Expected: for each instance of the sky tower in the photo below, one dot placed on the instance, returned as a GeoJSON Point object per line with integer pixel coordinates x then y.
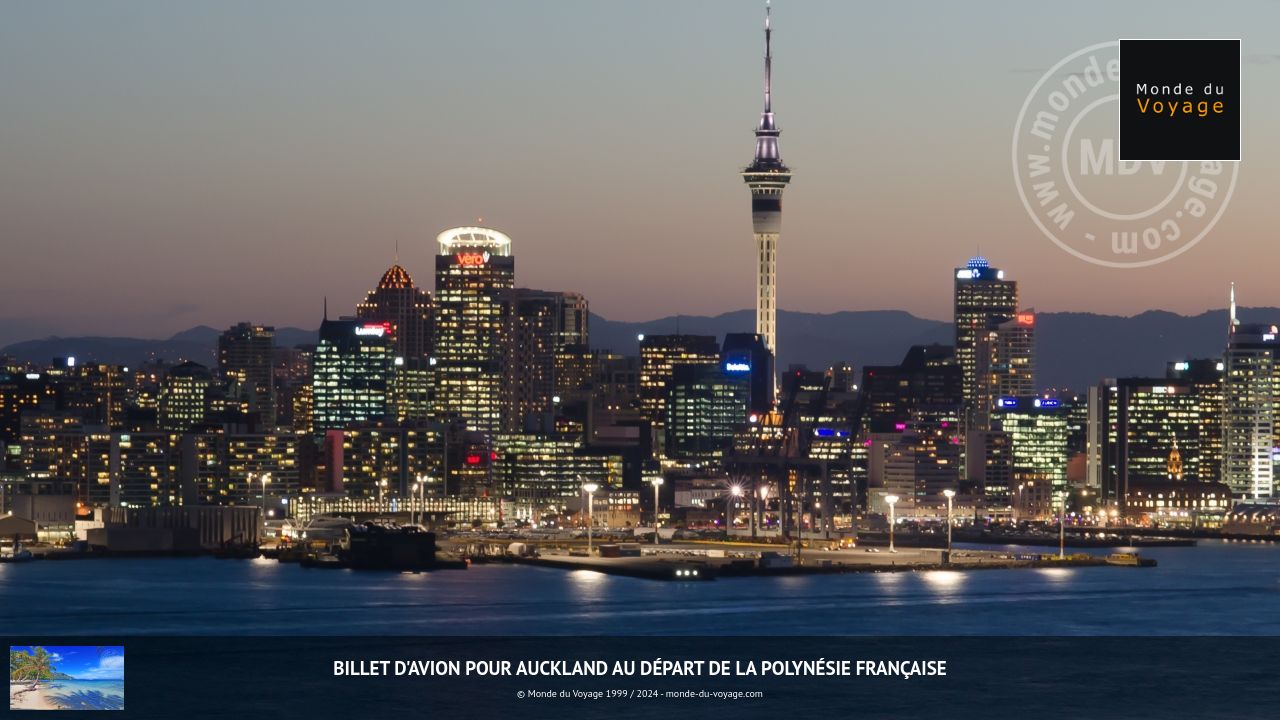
{"type": "Point", "coordinates": [767, 177]}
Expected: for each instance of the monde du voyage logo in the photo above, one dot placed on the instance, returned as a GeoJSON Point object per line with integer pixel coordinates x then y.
{"type": "Point", "coordinates": [1124, 152]}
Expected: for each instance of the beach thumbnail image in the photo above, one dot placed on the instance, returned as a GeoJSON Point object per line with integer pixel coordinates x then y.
{"type": "Point", "coordinates": [66, 677]}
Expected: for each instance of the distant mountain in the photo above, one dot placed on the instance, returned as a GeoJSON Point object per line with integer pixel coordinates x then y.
{"type": "Point", "coordinates": [873, 337]}
{"type": "Point", "coordinates": [198, 343]}
{"type": "Point", "coordinates": [1074, 350]}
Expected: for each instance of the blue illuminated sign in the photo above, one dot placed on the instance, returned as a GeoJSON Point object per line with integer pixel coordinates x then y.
{"type": "Point", "coordinates": [737, 367]}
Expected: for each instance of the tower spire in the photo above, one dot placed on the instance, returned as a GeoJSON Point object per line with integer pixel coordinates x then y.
{"type": "Point", "coordinates": [768, 59]}
{"type": "Point", "coordinates": [767, 154]}
{"type": "Point", "coordinates": [1234, 321]}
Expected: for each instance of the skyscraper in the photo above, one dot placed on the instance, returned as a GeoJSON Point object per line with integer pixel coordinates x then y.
{"type": "Point", "coordinates": [351, 373]}
{"type": "Point", "coordinates": [1005, 365]}
{"type": "Point", "coordinates": [1134, 423]}
{"type": "Point", "coordinates": [408, 308]}
{"type": "Point", "coordinates": [706, 404]}
{"type": "Point", "coordinates": [767, 177]}
{"type": "Point", "coordinates": [1037, 433]}
{"type": "Point", "coordinates": [745, 355]}
{"type": "Point", "coordinates": [543, 323]}
{"type": "Point", "coordinates": [246, 356]}
{"type": "Point", "coordinates": [1250, 387]}
{"type": "Point", "coordinates": [475, 274]}
{"type": "Point", "coordinates": [982, 294]}
{"type": "Point", "coordinates": [659, 356]}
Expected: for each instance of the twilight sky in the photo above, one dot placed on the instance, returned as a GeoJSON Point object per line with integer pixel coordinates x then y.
{"type": "Point", "coordinates": [167, 164]}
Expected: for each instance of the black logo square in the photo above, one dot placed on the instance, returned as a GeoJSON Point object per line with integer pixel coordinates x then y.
{"type": "Point", "coordinates": [1179, 99]}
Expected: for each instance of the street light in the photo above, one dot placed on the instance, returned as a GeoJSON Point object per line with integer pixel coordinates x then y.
{"type": "Point", "coordinates": [657, 483]}
{"type": "Point", "coordinates": [591, 489]}
{"type": "Point", "coordinates": [420, 488]}
{"type": "Point", "coordinates": [950, 494]}
{"type": "Point", "coordinates": [735, 492]}
{"type": "Point", "coordinates": [1062, 529]}
{"type": "Point", "coordinates": [892, 500]}
{"type": "Point", "coordinates": [764, 505]}
{"type": "Point", "coordinates": [264, 477]}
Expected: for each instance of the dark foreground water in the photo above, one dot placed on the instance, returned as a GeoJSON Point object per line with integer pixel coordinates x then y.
{"type": "Point", "coordinates": [1213, 589]}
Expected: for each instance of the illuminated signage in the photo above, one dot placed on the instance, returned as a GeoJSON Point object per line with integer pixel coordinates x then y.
{"type": "Point", "coordinates": [1008, 402]}
{"type": "Point", "coordinates": [737, 367]}
{"type": "Point", "coordinates": [472, 259]}
{"type": "Point", "coordinates": [1026, 319]}
{"type": "Point", "coordinates": [374, 329]}
{"type": "Point", "coordinates": [1047, 402]}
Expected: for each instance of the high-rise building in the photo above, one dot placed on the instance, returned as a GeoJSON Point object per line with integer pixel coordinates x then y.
{"type": "Point", "coordinates": [927, 383]}
{"type": "Point", "coordinates": [545, 473]}
{"type": "Point", "coordinates": [917, 464]}
{"type": "Point", "coordinates": [95, 391]}
{"type": "Point", "coordinates": [543, 324]}
{"type": "Point", "coordinates": [21, 392]}
{"type": "Point", "coordinates": [706, 404]}
{"type": "Point", "coordinates": [1037, 432]}
{"type": "Point", "coordinates": [146, 470]}
{"type": "Point", "coordinates": [351, 373]}
{"type": "Point", "coordinates": [1134, 423]}
{"type": "Point", "coordinates": [982, 294]}
{"type": "Point", "coordinates": [1005, 363]}
{"type": "Point", "coordinates": [246, 362]}
{"type": "Point", "coordinates": [398, 301]}
{"type": "Point", "coordinates": [767, 177]}
{"type": "Point", "coordinates": [745, 355]}
{"type": "Point", "coordinates": [1206, 378]}
{"type": "Point", "coordinates": [386, 459]}
{"type": "Point", "coordinates": [184, 397]}
{"type": "Point", "coordinates": [1251, 385]}
{"type": "Point", "coordinates": [475, 274]}
{"type": "Point", "coordinates": [413, 389]}
{"type": "Point", "coordinates": [659, 356]}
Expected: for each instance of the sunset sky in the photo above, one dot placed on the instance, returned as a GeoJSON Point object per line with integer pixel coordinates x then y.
{"type": "Point", "coordinates": [164, 165]}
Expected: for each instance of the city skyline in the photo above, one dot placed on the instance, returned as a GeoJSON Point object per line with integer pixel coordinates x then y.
{"type": "Point", "coordinates": [245, 178]}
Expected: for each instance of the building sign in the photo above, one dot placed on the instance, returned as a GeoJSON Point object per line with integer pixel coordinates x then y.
{"type": "Point", "coordinates": [1026, 319]}
{"type": "Point", "coordinates": [472, 259]}
{"type": "Point", "coordinates": [374, 329]}
{"type": "Point", "coordinates": [737, 367]}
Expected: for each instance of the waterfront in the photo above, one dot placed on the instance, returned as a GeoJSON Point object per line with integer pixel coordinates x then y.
{"type": "Point", "coordinates": [1216, 588]}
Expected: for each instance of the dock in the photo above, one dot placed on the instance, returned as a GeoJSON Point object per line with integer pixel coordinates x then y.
{"type": "Point", "coordinates": [697, 562]}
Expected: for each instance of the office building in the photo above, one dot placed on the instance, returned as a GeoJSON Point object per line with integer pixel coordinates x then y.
{"type": "Point", "coordinates": [351, 373]}
{"type": "Point", "coordinates": [1037, 432]}
{"type": "Point", "coordinates": [475, 274]}
{"type": "Point", "coordinates": [396, 300]}
{"type": "Point", "coordinates": [246, 363]}
{"type": "Point", "coordinates": [982, 294]}
{"type": "Point", "coordinates": [705, 406]}
{"type": "Point", "coordinates": [1251, 385]}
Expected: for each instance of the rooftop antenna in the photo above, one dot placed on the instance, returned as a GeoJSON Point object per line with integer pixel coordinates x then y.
{"type": "Point", "coordinates": [326, 307]}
